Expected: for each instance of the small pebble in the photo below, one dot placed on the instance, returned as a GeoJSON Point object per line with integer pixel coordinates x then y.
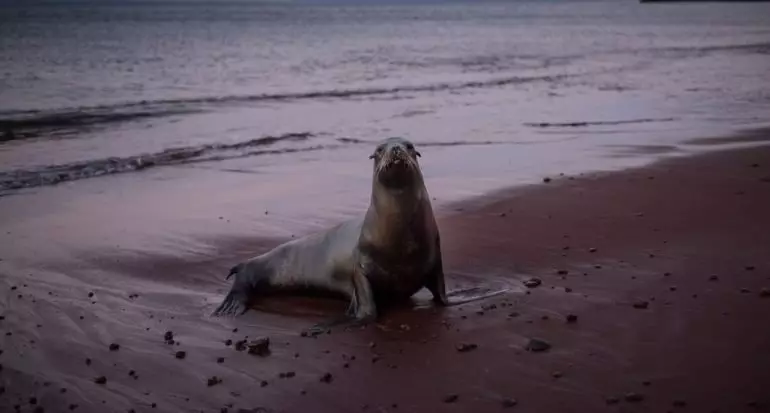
{"type": "Point", "coordinates": [260, 346]}
{"type": "Point", "coordinates": [213, 380]}
{"type": "Point", "coordinates": [546, 180]}
{"type": "Point", "coordinates": [765, 292]}
{"type": "Point", "coordinates": [572, 318]}
{"type": "Point", "coordinates": [466, 347]}
{"type": "Point", "coordinates": [114, 347]}
{"type": "Point", "coordinates": [641, 305]}
{"type": "Point", "coordinates": [532, 282]}
{"type": "Point", "coordinates": [180, 355]}
{"type": "Point", "coordinates": [508, 403]}
{"type": "Point", "coordinates": [679, 403]}
{"type": "Point", "coordinates": [612, 400]}
{"type": "Point", "coordinates": [326, 378]}
{"type": "Point", "coordinates": [451, 398]}
{"type": "Point", "coordinates": [168, 336]}
{"type": "Point", "coordinates": [537, 345]}
{"type": "Point", "coordinates": [100, 380]}
{"type": "Point", "coordinates": [263, 384]}
{"type": "Point", "coordinates": [633, 397]}
{"type": "Point", "coordinates": [220, 360]}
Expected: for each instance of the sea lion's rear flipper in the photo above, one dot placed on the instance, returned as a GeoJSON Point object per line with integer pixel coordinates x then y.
{"type": "Point", "coordinates": [248, 277]}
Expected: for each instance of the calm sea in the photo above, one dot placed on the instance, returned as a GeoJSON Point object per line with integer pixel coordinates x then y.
{"type": "Point", "coordinates": [95, 88]}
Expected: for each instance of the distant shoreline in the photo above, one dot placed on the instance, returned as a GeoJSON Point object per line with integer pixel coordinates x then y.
{"type": "Point", "coordinates": [704, 1]}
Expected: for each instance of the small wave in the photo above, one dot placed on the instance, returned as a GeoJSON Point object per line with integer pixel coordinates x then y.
{"type": "Point", "coordinates": [52, 175]}
{"type": "Point", "coordinates": [34, 123]}
{"type": "Point", "coordinates": [25, 125]}
{"type": "Point", "coordinates": [595, 123]}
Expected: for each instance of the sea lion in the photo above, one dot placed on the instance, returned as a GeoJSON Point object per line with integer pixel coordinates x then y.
{"type": "Point", "coordinates": [386, 255]}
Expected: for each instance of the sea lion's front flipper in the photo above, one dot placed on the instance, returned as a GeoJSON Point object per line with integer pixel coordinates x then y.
{"type": "Point", "coordinates": [434, 281]}
{"type": "Point", "coordinates": [361, 312]}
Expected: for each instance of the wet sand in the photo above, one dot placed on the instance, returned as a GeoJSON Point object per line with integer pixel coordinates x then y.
{"type": "Point", "coordinates": [666, 269]}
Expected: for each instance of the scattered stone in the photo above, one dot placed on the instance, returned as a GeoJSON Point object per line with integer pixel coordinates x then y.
{"type": "Point", "coordinates": [508, 403]}
{"type": "Point", "coordinates": [514, 314]}
{"type": "Point", "coordinates": [213, 381]}
{"type": "Point", "coordinates": [679, 403]}
{"type": "Point", "coordinates": [562, 272]}
{"type": "Point", "coordinates": [180, 355]}
{"type": "Point", "coordinates": [466, 347]}
{"type": "Point", "coordinates": [632, 397]}
{"type": "Point", "coordinates": [287, 375]}
{"type": "Point", "coordinates": [567, 289]}
{"type": "Point", "coordinates": [592, 250]}
{"type": "Point", "coordinates": [745, 290]}
{"type": "Point", "coordinates": [666, 274]}
{"type": "Point", "coordinates": [73, 406]}
{"type": "Point", "coordinates": [612, 400]}
{"type": "Point", "coordinates": [263, 384]}
{"type": "Point", "coordinates": [240, 345]}
{"type": "Point", "coordinates": [536, 345]}
{"type": "Point", "coordinates": [228, 342]}
{"type": "Point", "coordinates": [557, 374]}
{"type": "Point", "coordinates": [90, 295]}
{"type": "Point", "coordinates": [641, 305]}
{"type": "Point", "coordinates": [326, 378]}
{"type": "Point", "coordinates": [88, 362]}
{"type": "Point", "coordinates": [572, 318]}
{"type": "Point", "coordinates": [168, 336]}
{"type": "Point", "coordinates": [451, 398]}
{"type": "Point", "coordinates": [765, 292]}
{"type": "Point", "coordinates": [546, 179]}
{"type": "Point", "coordinates": [131, 373]}
{"type": "Point", "coordinates": [114, 347]}
{"type": "Point", "coordinates": [532, 282]}
{"type": "Point", "coordinates": [713, 278]}
{"type": "Point", "coordinates": [220, 360]}
{"type": "Point", "coordinates": [100, 380]}
{"type": "Point", "coordinates": [750, 268]}
{"type": "Point", "coordinates": [260, 346]}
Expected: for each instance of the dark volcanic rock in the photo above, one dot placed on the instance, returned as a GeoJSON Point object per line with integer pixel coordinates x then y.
{"type": "Point", "coordinates": [213, 381]}
{"type": "Point", "coordinates": [572, 318]}
{"type": "Point", "coordinates": [114, 347]}
{"type": "Point", "coordinates": [180, 354]}
{"type": "Point", "coordinates": [465, 347]}
{"type": "Point", "coordinates": [508, 403]}
{"type": "Point", "coordinates": [451, 398]}
{"type": "Point", "coordinates": [632, 397]}
{"type": "Point", "coordinates": [641, 304]}
{"type": "Point", "coordinates": [260, 347]}
{"type": "Point", "coordinates": [536, 345]}
{"type": "Point", "coordinates": [326, 378]}
{"type": "Point", "coordinates": [532, 282]}
{"type": "Point", "coordinates": [100, 380]}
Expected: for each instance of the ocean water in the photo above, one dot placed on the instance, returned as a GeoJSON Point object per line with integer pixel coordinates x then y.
{"type": "Point", "coordinates": [496, 93]}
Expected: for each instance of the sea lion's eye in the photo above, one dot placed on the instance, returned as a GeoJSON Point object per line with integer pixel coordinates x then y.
{"type": "Point", "coordinates": [410, 148]}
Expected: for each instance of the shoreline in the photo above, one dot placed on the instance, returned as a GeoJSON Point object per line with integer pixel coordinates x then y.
{"type": "Point", "coordinates": [600, 243]}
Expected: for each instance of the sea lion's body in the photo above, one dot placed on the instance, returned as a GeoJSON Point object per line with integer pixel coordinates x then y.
{"type": "Point", "coordinates": [389, 254]}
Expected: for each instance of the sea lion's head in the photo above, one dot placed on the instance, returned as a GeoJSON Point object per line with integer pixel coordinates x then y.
{"type": "Point", "coordinates": [395, 163]}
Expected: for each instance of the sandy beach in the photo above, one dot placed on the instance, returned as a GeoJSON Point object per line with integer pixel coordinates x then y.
{"type": "Point", "coordinates": [654, 297]}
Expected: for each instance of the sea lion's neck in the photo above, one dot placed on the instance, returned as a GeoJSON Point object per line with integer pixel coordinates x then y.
{"type": "Point", "coordinates": [397, 201]}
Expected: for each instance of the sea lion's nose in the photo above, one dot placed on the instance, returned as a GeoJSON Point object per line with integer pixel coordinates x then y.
{"type": "Point", "coordinates": [397, 150]}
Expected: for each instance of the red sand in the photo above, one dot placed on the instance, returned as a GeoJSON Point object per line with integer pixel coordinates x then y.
{"type": "Point", "coordinates": [660, 235]}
